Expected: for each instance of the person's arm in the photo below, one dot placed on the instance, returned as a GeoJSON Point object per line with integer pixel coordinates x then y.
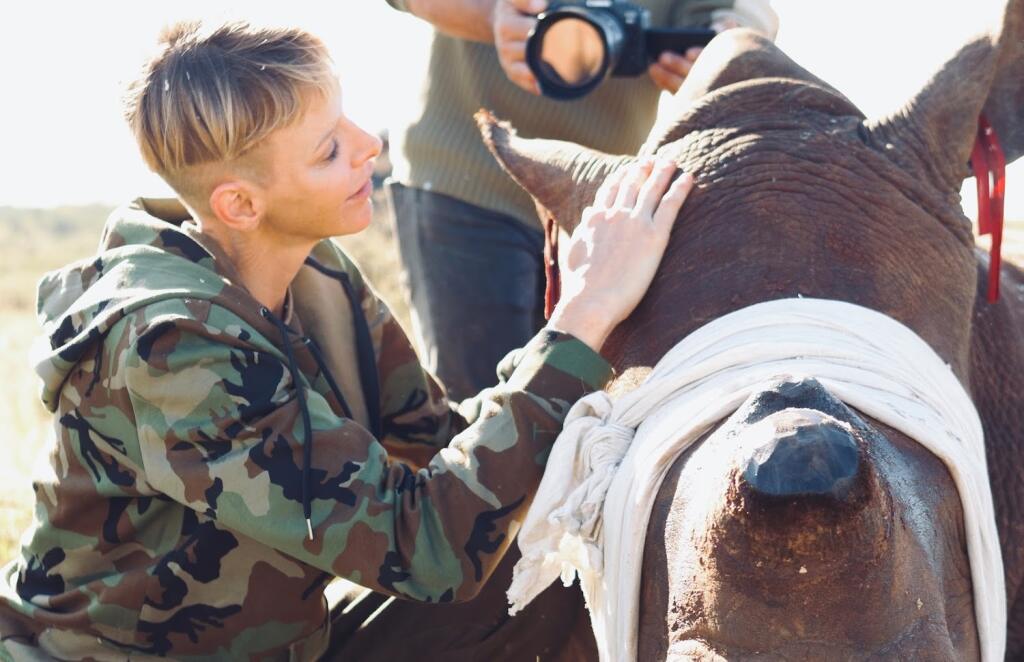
{"type": "Point", "coordinates": [465, 19]}
{"type": "Point", "coordinates": [417, 418]}
{"type": "Point", "coordinates": [221, 424]}
{"type": "Point", "coordinates": [504, 23]}
{"type": "Point", "coordinates": [216, 439]}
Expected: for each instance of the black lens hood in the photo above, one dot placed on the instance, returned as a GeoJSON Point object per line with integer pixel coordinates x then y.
{"type": "Point", "coordinates": [550, 83]}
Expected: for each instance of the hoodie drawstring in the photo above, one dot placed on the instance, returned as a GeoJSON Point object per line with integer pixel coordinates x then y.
{"type": "Point", "coordinates": [307, 425]}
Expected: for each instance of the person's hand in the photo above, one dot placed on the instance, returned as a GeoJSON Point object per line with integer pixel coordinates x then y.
{"type": "Point", "coordinates": [670, 69]}
{"type": "Point", "coordinates": [614, 252]}
{"type": "Point", "coordinates": [512, 22]}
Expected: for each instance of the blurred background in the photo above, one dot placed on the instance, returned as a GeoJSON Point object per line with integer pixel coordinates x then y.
{"type": "Point", "coordinates": [66, 157]}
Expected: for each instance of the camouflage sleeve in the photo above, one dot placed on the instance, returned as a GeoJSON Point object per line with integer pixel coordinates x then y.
{"type": "Point", "coordinates": [220, 431]}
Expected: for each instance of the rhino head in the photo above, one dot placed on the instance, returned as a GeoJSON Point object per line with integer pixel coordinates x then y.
{"type": "Point", "coordinates": [797, 193]}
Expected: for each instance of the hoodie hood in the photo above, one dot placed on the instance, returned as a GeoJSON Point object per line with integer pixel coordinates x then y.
{"type": "Point", "coordinates": [149, 252]}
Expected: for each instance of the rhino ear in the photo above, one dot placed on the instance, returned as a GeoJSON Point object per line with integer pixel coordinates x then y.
{"type": "Point", "coordinates": [939, 123]}
{"type": "Point", "coordinates": [562, 177]}
{"type": "Point", "coordinates": [1004, 106]}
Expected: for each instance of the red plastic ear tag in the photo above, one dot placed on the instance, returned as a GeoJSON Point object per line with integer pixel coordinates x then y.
{"type": "Point", "coordinates": [553, 287]}
{"type": "Point", "coordinates": [988, 161]}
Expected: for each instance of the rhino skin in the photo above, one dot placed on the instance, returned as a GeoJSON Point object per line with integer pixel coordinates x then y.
{"type": "Point", "coordinates": [797, 193]}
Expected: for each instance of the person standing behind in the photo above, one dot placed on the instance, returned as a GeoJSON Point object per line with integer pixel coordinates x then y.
{"type": "Point", "coordinates": [470, 241]}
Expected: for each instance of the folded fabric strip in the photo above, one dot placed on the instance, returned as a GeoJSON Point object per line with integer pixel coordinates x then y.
{"type": "Point", "coordinates": [590, 515]}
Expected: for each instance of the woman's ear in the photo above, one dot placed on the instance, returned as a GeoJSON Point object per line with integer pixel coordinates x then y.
{"type": "Point", "coordinates": [237, 204]}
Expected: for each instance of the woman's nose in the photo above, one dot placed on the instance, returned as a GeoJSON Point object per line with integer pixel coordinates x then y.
{"type": "Point", "coordinates": [370, 146]}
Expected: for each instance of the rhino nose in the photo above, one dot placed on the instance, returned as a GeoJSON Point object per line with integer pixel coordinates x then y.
{"type": "Point", "coordinates": [806, 452]}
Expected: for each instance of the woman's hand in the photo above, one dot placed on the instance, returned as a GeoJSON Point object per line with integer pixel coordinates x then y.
{"type": "Point", "coordinates": [614, 252]}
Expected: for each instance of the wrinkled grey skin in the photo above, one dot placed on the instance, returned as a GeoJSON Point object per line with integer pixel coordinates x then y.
{"type": "Point", "coordinates": [798, 193]}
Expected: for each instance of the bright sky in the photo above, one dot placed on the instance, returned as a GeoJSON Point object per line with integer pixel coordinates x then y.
{"type": "Point", "coordinates": [63, 66]}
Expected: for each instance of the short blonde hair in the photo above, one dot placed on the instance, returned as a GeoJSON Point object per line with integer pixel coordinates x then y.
{"type": "Point", "coordinates": [210, 96]}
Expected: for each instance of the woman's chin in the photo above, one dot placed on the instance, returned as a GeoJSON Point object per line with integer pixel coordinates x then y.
{"type": "Point", "coordinates": [355, 221]}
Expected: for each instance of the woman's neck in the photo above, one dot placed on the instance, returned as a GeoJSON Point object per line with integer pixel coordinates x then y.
{"type": "Point", "coordinates": [265, 265]}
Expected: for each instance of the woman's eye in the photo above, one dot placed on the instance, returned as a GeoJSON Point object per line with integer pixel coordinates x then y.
{"type": "Point", "coordinates": [333, 154]}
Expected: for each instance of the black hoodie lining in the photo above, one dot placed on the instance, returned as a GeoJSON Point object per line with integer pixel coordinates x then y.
{"type": "Point", "coordinates": [364, 347]}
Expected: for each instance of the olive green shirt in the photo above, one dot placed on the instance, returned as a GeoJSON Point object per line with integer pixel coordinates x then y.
{"type": "Point", "coordinates": [441, 150]}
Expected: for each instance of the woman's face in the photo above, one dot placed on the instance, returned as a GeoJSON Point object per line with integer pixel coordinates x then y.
{"type": "Point", "coordinates": [320, 168]}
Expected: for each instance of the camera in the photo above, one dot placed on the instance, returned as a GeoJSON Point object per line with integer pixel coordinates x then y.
{"type": "Point", "coordinates": [577, 44]}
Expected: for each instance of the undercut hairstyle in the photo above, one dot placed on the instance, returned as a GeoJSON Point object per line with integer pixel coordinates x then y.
{"type": "Point", "coordinates": [210, 96]}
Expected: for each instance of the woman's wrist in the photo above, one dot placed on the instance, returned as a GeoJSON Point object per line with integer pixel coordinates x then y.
{"type": "Point", "coordinates": [583, 321]}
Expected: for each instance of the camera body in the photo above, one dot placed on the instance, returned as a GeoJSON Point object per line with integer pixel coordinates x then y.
{"type": "Point", "coordinates": [624, 19]}
{"type": "Point", "coordinates": [576, 44]}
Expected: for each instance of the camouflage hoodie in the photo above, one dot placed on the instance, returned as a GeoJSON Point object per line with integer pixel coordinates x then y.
{"type": "Point", "coordinates": [196, 432]}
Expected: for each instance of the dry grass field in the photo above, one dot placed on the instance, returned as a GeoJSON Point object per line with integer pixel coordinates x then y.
{"type": "Point", "coordinates": [35, 241]}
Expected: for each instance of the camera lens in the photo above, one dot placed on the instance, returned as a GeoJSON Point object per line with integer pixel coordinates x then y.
{"type": "Point", "coordinates": [571, 50]}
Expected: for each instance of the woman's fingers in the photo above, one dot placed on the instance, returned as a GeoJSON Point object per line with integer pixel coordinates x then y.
{"type": "Point", "coordinates": [672, 201]}
{"type": "Point", "coordinates": [609, 190]}
{"type": "Point", "coordinates": [642, 191]}
{"type": "Point", "coordinates": [652, 189]}
{"type": "Point", "coordinates": [629, 189]}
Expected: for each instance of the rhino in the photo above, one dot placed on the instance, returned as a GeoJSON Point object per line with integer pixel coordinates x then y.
{"type": "Point", "coordinates": [798, 194]}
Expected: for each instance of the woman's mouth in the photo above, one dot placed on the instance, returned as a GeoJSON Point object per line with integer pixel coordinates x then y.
{"type": "Point", "coordinates": [364, 191]}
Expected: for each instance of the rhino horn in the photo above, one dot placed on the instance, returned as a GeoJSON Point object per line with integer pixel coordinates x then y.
{"type": "Point", "coordinates": [796, 444]}
{"type": "Point", "coordinates": [732, 57]}
{"type": "Point", "coordinates": [817, 459]}
{"type": "Point", "coordinates": [562, 177]}
{"type": "Point", "coordinates": [799, 461]}
{"type": "Point", "coordinates": [938, 125]}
